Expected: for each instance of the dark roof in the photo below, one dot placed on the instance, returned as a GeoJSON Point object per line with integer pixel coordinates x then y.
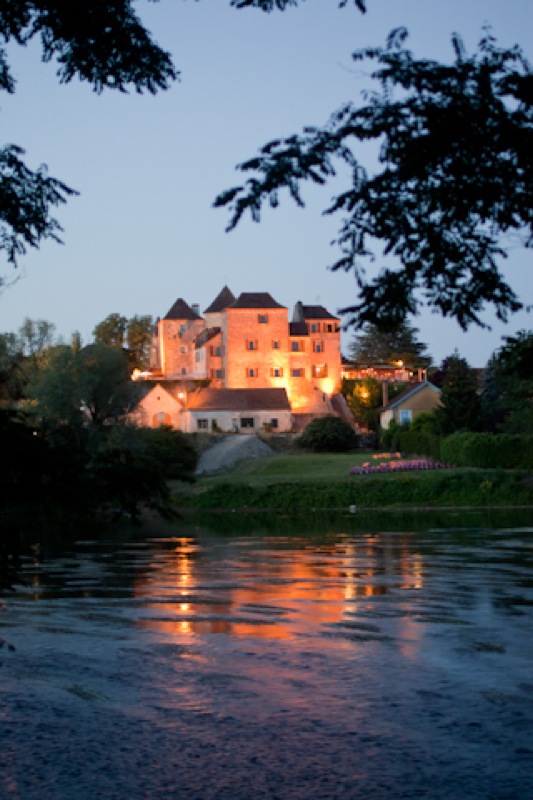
{"type": "Point", "coordinates": [239, 400]}
{"type": "Point", "coordinates": [316, 312]}
{"type": "Point", "coordinates": [180, 310]}
{"type": "Point", "coordinates": [206, 336]}
{"type": "Point", "coordinates": [298, 329]}
{"type": "Point", "coordinates": [224, 299]}
{"type": "Point", "coordinates": [413, 388]}
{"type": "Point", "coordinates": [255, 300]}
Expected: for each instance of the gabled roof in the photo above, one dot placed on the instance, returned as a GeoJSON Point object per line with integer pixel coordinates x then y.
{"type": "Point", "coordinates": [180, 310]}
{"type": "Point", "coordinates": [224, 299]}
{"type": "Point", "coordinates": [316, 312]}
{"type": "Point", "coordinates": [412, 389]}
{"type": "Point", "coordinates": [298, 329]}
{"type": "Point", "coordinates": [255, 300]}
{"type": "Point", "coordinates": [238, 400]}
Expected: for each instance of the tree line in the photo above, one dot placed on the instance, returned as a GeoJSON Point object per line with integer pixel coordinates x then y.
{"type": "Point", "coordinates": [68, 449]}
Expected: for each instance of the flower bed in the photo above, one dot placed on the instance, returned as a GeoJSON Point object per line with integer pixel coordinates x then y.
{"type": "Point", "coordinates": [401, 465]}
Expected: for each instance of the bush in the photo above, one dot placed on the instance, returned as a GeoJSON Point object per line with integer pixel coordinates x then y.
{"type": "Point", "coordinates": [503, 451]}
{"type": "Point", "coordinates": [328, 434]}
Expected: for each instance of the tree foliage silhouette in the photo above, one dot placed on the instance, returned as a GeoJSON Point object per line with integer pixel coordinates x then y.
{"type": "Point", "coordinates": [455, 176]}
{"type": "Point", "coordinates": [102, 42]}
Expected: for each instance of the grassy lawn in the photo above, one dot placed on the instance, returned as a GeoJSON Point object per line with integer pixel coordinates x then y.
{"type": "Point", "coordinates": [290, 468]}
{"type": "Point", "coordinates": [297, 468]}
{"type": "Point", "coordinates": [295, 482]}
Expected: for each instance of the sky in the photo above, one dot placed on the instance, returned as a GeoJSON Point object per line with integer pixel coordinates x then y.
{"type": "Point", "coordinates": [143, 231]}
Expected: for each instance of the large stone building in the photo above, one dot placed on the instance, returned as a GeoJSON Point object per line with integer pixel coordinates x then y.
{"type": "Point", "coordinates": [248, 342]}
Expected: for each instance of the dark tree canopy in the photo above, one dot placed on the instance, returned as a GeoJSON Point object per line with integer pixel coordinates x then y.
{"type": "Point", "coordinates": [102, 42]}
{"type": "Point", "coordinates": [455, 176]}
{"type": "Point", "coordinates": [460, 407]}
{"type": "Point", "coordinates": [507, 395]}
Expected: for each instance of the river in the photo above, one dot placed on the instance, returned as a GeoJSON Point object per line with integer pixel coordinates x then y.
{"type": "Point", "coordinates": [380, 657]}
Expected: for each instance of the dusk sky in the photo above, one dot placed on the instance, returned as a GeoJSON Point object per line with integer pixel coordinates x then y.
{"type": "Point", "coordinates": [143, 231]}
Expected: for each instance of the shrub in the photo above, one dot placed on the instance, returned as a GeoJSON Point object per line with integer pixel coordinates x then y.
{"type": "Point", "coordinates": [329, 434]}
{"type": "Point", "coordinates": [504, 451]}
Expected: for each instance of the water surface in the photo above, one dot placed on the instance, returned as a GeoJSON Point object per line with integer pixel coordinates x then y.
{"type": "Point", "coordinates": [320, 661]}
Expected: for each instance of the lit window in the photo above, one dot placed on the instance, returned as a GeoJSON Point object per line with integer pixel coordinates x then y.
{"type": "Point", "coordinates": [320, 371]}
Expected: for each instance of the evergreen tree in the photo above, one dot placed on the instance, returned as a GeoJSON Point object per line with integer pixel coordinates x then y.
{"type": "Point", "coordinates": [376, 346]}
{"type": "Point", "coordinates": [507, 396]}
{"type": "Point", "coordinates": [460, 408]}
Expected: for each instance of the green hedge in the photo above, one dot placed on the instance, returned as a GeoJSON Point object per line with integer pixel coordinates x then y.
{"type": "Point", "coordinates": [440, 488]}
{"type": "Point", "coordinates": [487, 450]}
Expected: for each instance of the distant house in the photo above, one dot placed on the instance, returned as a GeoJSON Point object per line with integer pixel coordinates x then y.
{"type": "Point", "coordinates": [237, 410]}
{"type": "Point", "coordinates": [160, 403]}
{"type": "Point", "coordinates": [414, 400]}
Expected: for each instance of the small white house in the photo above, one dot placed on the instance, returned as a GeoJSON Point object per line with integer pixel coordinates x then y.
{"type": "Point", "coordinates": [237, 410]}
{"type": "Point", "coordinates": [159, 405]}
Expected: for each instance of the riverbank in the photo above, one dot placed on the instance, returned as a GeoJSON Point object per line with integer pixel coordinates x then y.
{"type": "Point", "coordinates": [304, 483]}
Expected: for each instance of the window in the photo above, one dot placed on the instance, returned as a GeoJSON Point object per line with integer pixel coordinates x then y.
{"type": "Point", "coordinates": [252, 372]}
{"type": "Point", "coordinates": [320, 371]}
{"type": "Point", "coordinates": [247, 422]}
{"type": "Point", "coordinates": [274, 422]}
{"type": "Point", "coordinates": [198, 356]}
{"type": "Point", "coordinates": [183, 349]}
{"type": "Point", "coordinates": [202, 424]}
{"type": "Point", "coordinates": [297, 347]}
{"type": "Point", "coordinates": [329, 327]}
{"type": "Point", "coordinates": [215, 351]}
{"type": "Point", "coordinates": [315, 327]}
{"type": "Point", "coordinates": [276, 372]}
{"type": "Point", "coordinates": [318, 346]}
{"type": "Point", "coordinates": [251, 344]}
{"type": "Point", "coordinates": [262, 318]}
{"type": "Point", "coordinates": [405, 417]}
{"type": "Point", "coordinates": [217, 373]}
{"type": "Point", "coordinates": [183, 371]}
{"type": "Point", "coordinates": [275, 344]}
{"type": "Point", "coordinates": [297, 373]}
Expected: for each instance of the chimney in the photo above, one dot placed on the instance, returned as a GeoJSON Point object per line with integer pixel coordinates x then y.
{"type": "Point", "coordinates": [196, 308]}
{"type": "Point", "coordinates": [385, 393]}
